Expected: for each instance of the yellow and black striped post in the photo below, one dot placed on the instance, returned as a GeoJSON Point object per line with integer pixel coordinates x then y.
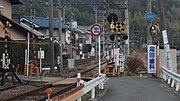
{"type": "Point", "coordinates": [32, 32]}
{"type": "Point", "coordinates": [105, 31]}
{"type": "Point", "coordinates": [33, 67]}
{"type": "Point", "coordinates": [6, 65]}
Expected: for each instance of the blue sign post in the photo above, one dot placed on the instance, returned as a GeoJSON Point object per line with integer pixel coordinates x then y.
{"type": "Point", "coordinates": [150, 16]}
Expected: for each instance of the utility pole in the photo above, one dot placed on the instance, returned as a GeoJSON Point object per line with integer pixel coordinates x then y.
{"type": "Point", "coordinates": [51, 38]}
{"type": "Point", "coordinates": [95, 9]}
{"type": "Point", "coordinates": [165, 38]}
{"type": "Point", "coordinates": [59, 35]}
{"type": "Point", "coordinates": [71, 30]}
{"type": "Point", "coordinates": [127, 28]}
{"type": "Point", "coordinates": [149, 9]}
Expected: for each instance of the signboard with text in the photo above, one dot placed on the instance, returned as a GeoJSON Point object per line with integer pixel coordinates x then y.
{"type": "Point", "coordinates": [151, 59]}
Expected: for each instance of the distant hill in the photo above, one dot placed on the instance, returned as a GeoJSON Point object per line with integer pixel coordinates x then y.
{"type": "Point", "coordinates": [85, 15]}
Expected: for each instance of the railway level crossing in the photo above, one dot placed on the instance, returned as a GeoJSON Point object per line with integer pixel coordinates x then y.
{"type": "Point", "coordinates": [117, 30]}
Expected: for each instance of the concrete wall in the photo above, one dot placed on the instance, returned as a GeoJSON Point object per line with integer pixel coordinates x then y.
{"type": "Point", "coordinates": [174, 58]}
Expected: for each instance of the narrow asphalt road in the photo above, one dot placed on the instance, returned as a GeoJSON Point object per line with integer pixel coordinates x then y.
{"type": "Point", "coordinates": [139, 89]}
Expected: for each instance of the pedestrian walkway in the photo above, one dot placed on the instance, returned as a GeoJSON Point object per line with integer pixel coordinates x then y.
{"type": "Point", "coordinates": [139, 89]}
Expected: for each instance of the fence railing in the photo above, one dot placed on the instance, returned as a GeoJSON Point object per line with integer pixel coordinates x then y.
{"type": "Point", "coordinates": [172, 77]}
{"type": "Point", "coordinates": [82, 89]}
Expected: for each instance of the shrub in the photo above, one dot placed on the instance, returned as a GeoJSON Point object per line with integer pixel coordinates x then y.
{"type": "Point", "coordinates": [134, 63]}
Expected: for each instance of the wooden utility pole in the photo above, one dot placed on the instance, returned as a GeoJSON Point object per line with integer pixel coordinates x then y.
{"type": "Point", "coordinates": [127, 28]}
{"type": "Point", "coordinates": [60, 33]}
{"type": "Point", "coordinates": [51, 36]}
{"type": "Point", "coordinates": [95, 9]}
{"type": "Point", "coordinates": [165, 38]}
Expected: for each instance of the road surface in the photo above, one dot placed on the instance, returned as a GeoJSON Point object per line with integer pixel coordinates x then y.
{"type": "Point", "coordinates": [139, 89]}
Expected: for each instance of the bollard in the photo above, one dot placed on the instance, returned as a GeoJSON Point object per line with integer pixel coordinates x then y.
{"type": "Point", "coordinates": [37, 71]}
{"type": "Point", "coordinates": [119, 72]}
{"type": "Point", "coordinates": [169, 80]}
{"type": "Point", "coordinates": [78, 79]}
{"type": "Point", "coordinates": [177, 87]}
{"type": "Point", "coordinates": [165, 77]}
{"type": "Point", "coordinates": [25, 68]}
{"type": "Point", "coordinates": [93, 93]}
{"type": "Point", "coordinates": [172, 84]}
{"type": "Point", "coordinates": [48, 91]}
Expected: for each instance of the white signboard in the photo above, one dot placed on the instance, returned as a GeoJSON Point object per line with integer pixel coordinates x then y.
{"type": "Point", "coordinates": [151, 59]}
{"type": "Point", "coordinates": [41, 54]}
{"type": "Point", "coordinates": [119, 59]}
{"type": "Point", "coordinates": [165, 38]}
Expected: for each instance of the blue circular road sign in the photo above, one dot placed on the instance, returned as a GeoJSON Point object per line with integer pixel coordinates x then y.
{"type": "Point", "coordinates": [96, 29]}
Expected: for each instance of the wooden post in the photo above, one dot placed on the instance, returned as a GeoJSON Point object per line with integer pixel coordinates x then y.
{"type": "Point", "coordinates": [158, 54]}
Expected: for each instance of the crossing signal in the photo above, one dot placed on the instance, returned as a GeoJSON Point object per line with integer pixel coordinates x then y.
{"type": "Point", "coordinates": [120, 27]}
{"type": "Point", "coordinates": [123, 29]}
{"type": "Point", "coordinates": [112, 17]}
{"type": "Point", "coordinates": [112, 27]}
{"type": "Point", "coordinates": [112, 37]}
{"type": "Point", "coordinates": [124, 36]}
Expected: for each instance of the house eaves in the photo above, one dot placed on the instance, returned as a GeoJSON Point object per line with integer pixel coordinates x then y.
{"type": "Point", "coordinates": [16, 2]}
{"type": "Point", "coordinates": [4, 19]}
{"type": "Point", "coordinates": [37, 33]}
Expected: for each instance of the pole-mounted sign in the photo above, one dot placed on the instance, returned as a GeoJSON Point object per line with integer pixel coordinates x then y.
{"type": "Point", "coordinates": [96, 29]}
{"type": "Point", "coordinates": [150, 16]}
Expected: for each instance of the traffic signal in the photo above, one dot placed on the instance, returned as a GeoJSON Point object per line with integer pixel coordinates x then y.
{"type": "Point", "coordinates": [120, 27]}
{"type": "Point", "coordinates": [123, 29]}
{"type": "Point", "coordinates": [155, 32]}
{"type": "Point", "coordinates": [124, 36]}
{"type": "Point", "coordinates": [112, 17]}
{"type": "Point", "coordinates": [112, 37]}
{"type": "Point", "coordinates": [112, 27]}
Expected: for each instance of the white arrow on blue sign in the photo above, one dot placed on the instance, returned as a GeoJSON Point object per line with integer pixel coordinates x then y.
{"type": "Point", "coordinates": [150, 16]}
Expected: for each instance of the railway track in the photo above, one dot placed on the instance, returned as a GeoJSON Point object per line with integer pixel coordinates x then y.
{"type": "Point", "coordinates": [31, 93]}
{"type": "Point", "coordinates": [39, 95]}
{"type": "Point", "coordinates": [16, 91]}
{"type": "Point", "coordinates": [10, 86]}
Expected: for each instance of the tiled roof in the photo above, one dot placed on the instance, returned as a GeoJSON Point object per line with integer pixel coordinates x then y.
{"type": "Point", "coordinates": [44, 22]}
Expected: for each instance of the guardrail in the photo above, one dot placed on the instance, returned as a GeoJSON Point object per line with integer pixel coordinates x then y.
{"type": "Point", "coordinates": [88, 86]}
{"type": "Point", "coordinates": [81, 89]}
{"type": "Point", "coordinates": [91, 85]}
{"type": "Point", "coordinates": [172, 78]}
